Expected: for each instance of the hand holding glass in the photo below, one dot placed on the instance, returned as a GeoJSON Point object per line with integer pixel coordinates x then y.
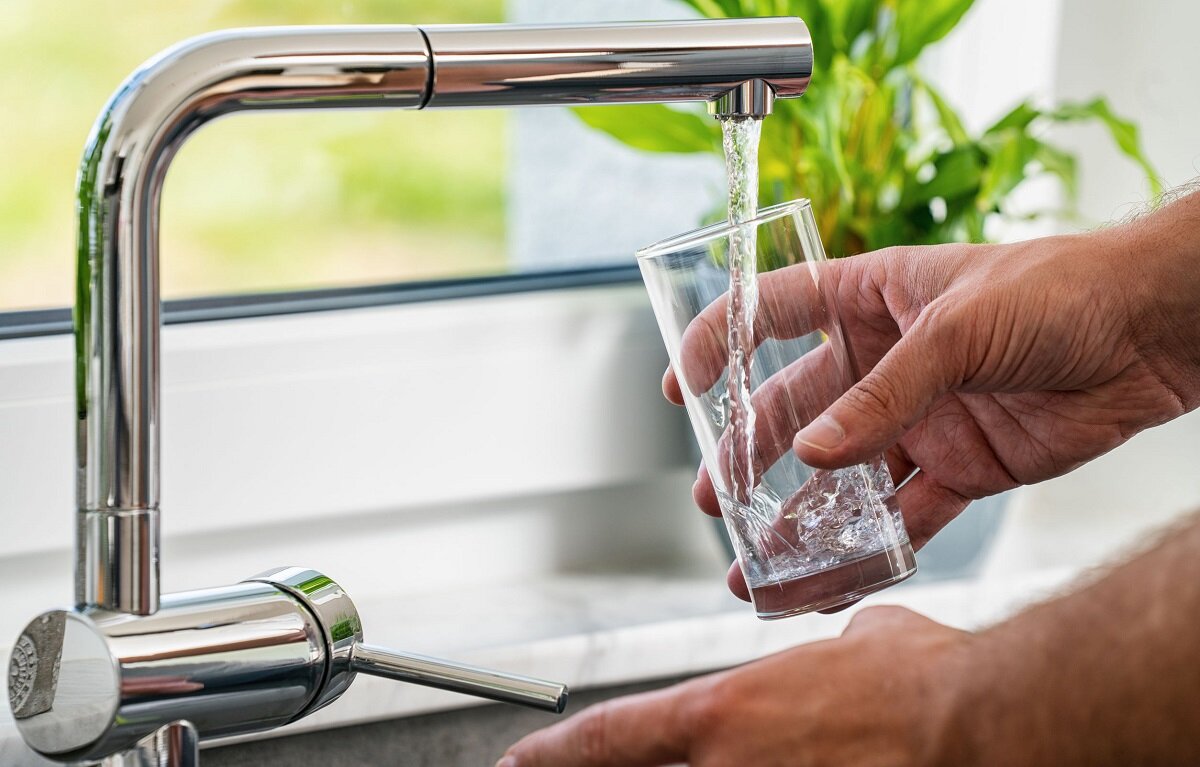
{"type": "Point", "coordinates": [807, 539]}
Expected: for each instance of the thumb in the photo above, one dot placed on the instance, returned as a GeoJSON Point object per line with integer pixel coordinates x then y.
{"type": "Point", "coordinates": [887, 402]}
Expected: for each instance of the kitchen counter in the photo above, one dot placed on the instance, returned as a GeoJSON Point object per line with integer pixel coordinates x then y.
{"type": "Point", "coordinates": [599, 630]}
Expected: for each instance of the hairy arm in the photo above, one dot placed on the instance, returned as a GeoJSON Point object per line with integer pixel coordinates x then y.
{"type": "Point", "coordinates": [1108, 675]}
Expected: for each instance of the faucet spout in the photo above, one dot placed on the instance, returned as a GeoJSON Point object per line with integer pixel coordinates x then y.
{"type": "Point", "coordinates": [738, 66]}
{"type": "Point", "coordinates": [622, 63]}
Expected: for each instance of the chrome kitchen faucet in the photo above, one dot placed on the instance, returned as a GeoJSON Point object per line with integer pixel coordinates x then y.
{"type": "Point", "coordinates": [134, 679]}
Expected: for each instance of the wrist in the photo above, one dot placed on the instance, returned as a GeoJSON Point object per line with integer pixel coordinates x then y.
{"type": "Point", "coordinates": [1155, 261]}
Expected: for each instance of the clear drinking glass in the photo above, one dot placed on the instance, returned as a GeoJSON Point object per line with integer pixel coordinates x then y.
{"type": "Point", "coordinates": [807, 539]}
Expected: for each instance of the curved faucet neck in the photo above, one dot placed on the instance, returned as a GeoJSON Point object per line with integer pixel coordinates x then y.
{"type": "Point", "coordinates": [738, 65]}
{"type": "Point", "coordinates": [117, 306]}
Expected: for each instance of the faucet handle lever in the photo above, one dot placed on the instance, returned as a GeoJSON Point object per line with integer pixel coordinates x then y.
{"type": "Point", "coordinates": [459, 677]}
{"type": "Point", "coordinates": [348, 653]}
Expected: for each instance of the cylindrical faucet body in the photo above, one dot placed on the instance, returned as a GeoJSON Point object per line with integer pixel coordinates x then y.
{"type": "Point", "coordinates": [229, 660]}
{"type": "Point", "coordinates": [253, 656]}
{"type": "Point", "coordinates": [736, 65]}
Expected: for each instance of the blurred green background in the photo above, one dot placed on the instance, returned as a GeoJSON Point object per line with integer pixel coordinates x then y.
{"type": "Point", "coordinates": [257, 202]}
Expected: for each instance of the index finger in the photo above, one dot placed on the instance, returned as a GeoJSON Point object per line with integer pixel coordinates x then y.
{"type": "Point", "coordinates": [645, 729]}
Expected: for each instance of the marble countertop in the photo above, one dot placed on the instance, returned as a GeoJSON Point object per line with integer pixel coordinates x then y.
{"type": "Point", "coordinates": [599, 630]}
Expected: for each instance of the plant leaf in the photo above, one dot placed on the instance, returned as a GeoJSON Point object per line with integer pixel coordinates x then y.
{"type": "Point", "coordinates": [852, 143]}
{"type": "Point", "coordinates": [655, 127]}
{"type": "Point", "coordinates": [1019, 118]}
{"type": "Point", "coordinates": [1008, 155]}
{"type": "Point", "coordinates": [1061, 164]}
{"type": "Point", "coordinates": [959, 173]}
{"type": "Point", "coordinates": [950, 120]}
{"type": "Point", "coordinates": [715, 9]}
{"type": "Point", "coordinates": [1124, 133]}
{"type": "Point", "coordinates": [973, 222]}
{"type": "Point", "coordinates": [921, 22]}
{"type": "Point", "coordinates": [848, 19]}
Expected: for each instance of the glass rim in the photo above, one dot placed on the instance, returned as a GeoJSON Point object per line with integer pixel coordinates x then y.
{"type": "Point", "coordinates": [719, 230]}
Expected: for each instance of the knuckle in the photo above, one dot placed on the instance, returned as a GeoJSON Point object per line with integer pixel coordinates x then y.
{"type": "Point", "coordinates": [901, 260]}
{"type": "Point", "coordinates": [891, 253]}
{"type": "Point", "coordinates": [944, 321]}
{"type": "Point", "coordinates": [876, 394]}
{"type": "Point", "coordinates": [592, 736]}
{"type": "Point", "coordinates": [872, 618]}
{"type": "Point", "coordinates": [709, 709]}
{"type": "Point", "coordinates": [941, 331]}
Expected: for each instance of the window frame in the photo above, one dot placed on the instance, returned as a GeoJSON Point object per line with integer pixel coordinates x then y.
{"type": "Point", "coordinates": [47, 322]}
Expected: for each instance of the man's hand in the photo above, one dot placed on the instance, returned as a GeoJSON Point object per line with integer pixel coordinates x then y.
{"type": "Point", "coordinates": [987, 367]}
{"type": "Point", "coordinates": [882, 694]}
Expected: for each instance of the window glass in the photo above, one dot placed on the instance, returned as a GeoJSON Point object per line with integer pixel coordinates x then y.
{"type": "Point", "coordinates": [279, 201]}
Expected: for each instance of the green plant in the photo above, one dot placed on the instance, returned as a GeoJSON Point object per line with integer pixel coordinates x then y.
{"type": "Point", "coordinates": [883, 157]}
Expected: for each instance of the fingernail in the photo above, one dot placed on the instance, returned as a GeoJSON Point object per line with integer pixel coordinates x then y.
{"type": "Point", "coordinates": [823, 434]}
{"type": "Point", "coordinates": [507, 761]}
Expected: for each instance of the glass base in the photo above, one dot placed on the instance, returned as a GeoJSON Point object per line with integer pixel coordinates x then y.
{"type": "Point", "coordinates": [834, 586]}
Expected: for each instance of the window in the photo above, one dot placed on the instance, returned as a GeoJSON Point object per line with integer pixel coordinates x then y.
{"type": "Point", "coordinates": [284, 202]}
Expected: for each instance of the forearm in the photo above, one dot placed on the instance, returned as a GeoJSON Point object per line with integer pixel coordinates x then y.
{"type": "Point", "coordinates": [1109, 675]}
